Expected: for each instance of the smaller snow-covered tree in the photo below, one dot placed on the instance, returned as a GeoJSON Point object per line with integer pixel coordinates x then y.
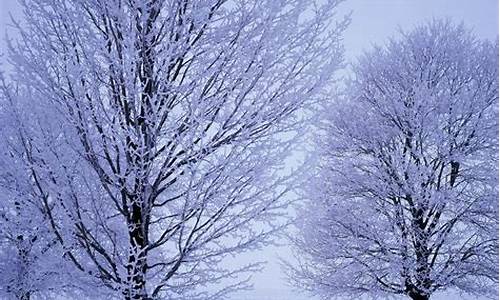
{"type": "Point", "coordinates": [24, 271]}
{"type": "Point", "coordinates": [31, 264]}
{"type": "Point", "coordinates": [405, 199]}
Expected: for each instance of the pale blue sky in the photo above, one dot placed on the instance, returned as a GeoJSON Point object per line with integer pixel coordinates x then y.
{"type": "Point", "coordinates": [373, 21]}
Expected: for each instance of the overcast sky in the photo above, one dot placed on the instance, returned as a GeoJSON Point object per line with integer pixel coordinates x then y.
{"type": "Point", "coordinates": [373, 21]}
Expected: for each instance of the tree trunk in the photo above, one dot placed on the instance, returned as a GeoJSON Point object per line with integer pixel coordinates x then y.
{"type": "Point", "coordinates": [415, 293]}
{"type": "Point", "coordinates": [419, 297]}
{"type": "Point", "coordinates": [24, 255]}
{"type": "Point", "coordinates": [139, 222]}
{"type": "Point", "coordinates": [24, 296]}
{"type": "Point", "coordinates": [137, 259]}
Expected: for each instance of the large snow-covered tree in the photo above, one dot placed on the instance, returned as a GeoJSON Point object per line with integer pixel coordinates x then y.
{"type": "Point", "coordinates": [152, 131]}
{"type": "Point", "coordinates": [405, 201]}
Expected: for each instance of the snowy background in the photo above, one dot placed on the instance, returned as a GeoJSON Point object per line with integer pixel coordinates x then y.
{"type": "Point", "coordinates": [373, 21]}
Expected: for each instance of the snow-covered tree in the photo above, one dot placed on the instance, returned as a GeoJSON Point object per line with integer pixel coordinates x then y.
{"type": "Point", "coordinates": [405, 200]}
{"type": "Point", "coordinates": [153, 131]}
{"type": "Point", "coordinates": [31, 262]}
{"type": "Point", "coordinates": [31, 266]}
{"type": "Point", "coordinates": [22, 241]}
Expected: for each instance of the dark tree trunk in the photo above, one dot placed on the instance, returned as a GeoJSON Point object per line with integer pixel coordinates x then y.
{"type": "Point", "coordinates": [24, 254]}
{"type": "Point", "coordinates": [455, 166]}
{"type": "Point", "coordinates": [24, 296]}
{"type": "Point", "coordinates": [414, 292]}
{"type": "Point", "coordinates": [139, 211]}
{"type": "Point", "coordinates": [419, 297]}
{"type": "Point", "coordinates": [137, 260]}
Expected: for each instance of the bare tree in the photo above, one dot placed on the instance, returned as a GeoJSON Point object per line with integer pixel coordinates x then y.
{"type": "Point", "coordinates": [152, 131]}
{"type": "Point", "coordinates": [405, 201]}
